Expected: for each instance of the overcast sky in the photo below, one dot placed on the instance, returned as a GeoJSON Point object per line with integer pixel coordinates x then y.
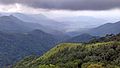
{"type": "Point", "coordinates": [60, 8]}
{"type": "Point", "coordinates": [67, 4]}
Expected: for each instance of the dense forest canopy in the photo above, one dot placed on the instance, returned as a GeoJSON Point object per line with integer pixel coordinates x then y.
{"type": "Point", "coordinates": [100, 54]}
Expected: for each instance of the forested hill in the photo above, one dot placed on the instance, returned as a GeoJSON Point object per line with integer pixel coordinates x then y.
{"type": "Point", "coordinates": [76, 55]}
{"type": "Point", "coordinates": [15, 46]}
{"type": "Point", "coordinates": [107, 38]}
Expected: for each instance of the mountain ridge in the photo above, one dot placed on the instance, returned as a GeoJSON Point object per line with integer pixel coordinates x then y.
{"type": "Point", "coordinates": [14, 46]}
{"type": "Point", "coordinates": [108, 28]}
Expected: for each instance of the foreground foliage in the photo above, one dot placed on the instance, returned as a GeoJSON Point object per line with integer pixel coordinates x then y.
{"type": "Point", "coordinates": [73, 55]}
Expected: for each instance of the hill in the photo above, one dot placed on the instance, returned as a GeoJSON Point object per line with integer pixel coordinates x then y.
{"type": "Point", "coordinates": [81, 38]}
{"type": "Point", "coordinates": [15, 46]}
{"type": "Point", "coordinates": [105, 29]}
{"type": "Point", "coordinates": [101, 54]}
{"type": "Point", "coordinates": [14, 25]}
{"type": "Point", "coordinates": [107, 38]}
{"type": "Point", "coordinates": [69, 55]}
{"type": "Point", "coordinates": [102, 30]}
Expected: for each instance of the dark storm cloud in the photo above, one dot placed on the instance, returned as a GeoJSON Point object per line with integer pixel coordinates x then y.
{"type": "Point", "coordinates": [68, 4]}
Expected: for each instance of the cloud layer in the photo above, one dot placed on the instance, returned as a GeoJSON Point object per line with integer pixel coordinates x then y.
{"type": "Point", "coordinates": [67, 4]}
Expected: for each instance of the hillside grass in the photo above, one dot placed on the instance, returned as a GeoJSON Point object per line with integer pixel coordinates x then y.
{"type": "Point", "coordinates": [77, 55]}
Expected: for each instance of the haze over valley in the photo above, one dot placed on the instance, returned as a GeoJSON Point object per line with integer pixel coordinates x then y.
{"type": "Point", "coordinates": [59, 34]}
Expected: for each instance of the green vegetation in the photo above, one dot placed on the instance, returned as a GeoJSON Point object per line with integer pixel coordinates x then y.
{"type": "Point", "coordinates": [72, 55]}
{"type": "Point", "coordinates": [107, 38]}
{"type": "Point", "coordinates": [103, 54]}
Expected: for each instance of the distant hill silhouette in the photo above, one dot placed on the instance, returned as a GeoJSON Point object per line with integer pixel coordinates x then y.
{"type": "Point", "coordinates": [81, 38]}
{"type": "Point", "coordinates": [106, 29]}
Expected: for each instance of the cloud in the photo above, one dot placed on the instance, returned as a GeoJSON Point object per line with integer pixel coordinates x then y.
{"type": "Point", "coordinates": [19, 8]}
{"type": "Point", "coordinates": [67, 4]}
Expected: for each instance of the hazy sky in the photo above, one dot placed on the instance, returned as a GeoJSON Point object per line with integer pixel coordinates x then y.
{"type": "Point", "coordinates": [107, 9]}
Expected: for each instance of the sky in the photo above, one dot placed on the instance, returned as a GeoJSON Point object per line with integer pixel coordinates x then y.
{"type": "Point", "coordinates": [67, 4]}
{"type": "Point", "coordinates": [105, 9]}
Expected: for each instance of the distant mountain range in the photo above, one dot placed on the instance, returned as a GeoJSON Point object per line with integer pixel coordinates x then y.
{"type": "Point", "coordinates": [12, 24]}
{"type": "Point", "coordinates": [42, 20]}
{"type": "Point", "coordinates": [18, 22]}
{"type": "Point", "coordinates": [79, 22]}
{"type": "Point", "coordinates": [66, 24]}
{"type": "Point", "coordinates": [108, 28]}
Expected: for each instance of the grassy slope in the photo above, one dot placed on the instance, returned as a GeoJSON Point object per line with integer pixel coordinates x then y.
{"type": "Point", "coordinates": [75, 55]}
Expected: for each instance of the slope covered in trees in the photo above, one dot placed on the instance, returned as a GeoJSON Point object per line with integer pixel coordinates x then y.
{"type": "Point", "coordinates": [73, 55]}
{"type": "Point", "coordinates": [107, 38]}
{"type": "Point", "coordinates": [15, 46]}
